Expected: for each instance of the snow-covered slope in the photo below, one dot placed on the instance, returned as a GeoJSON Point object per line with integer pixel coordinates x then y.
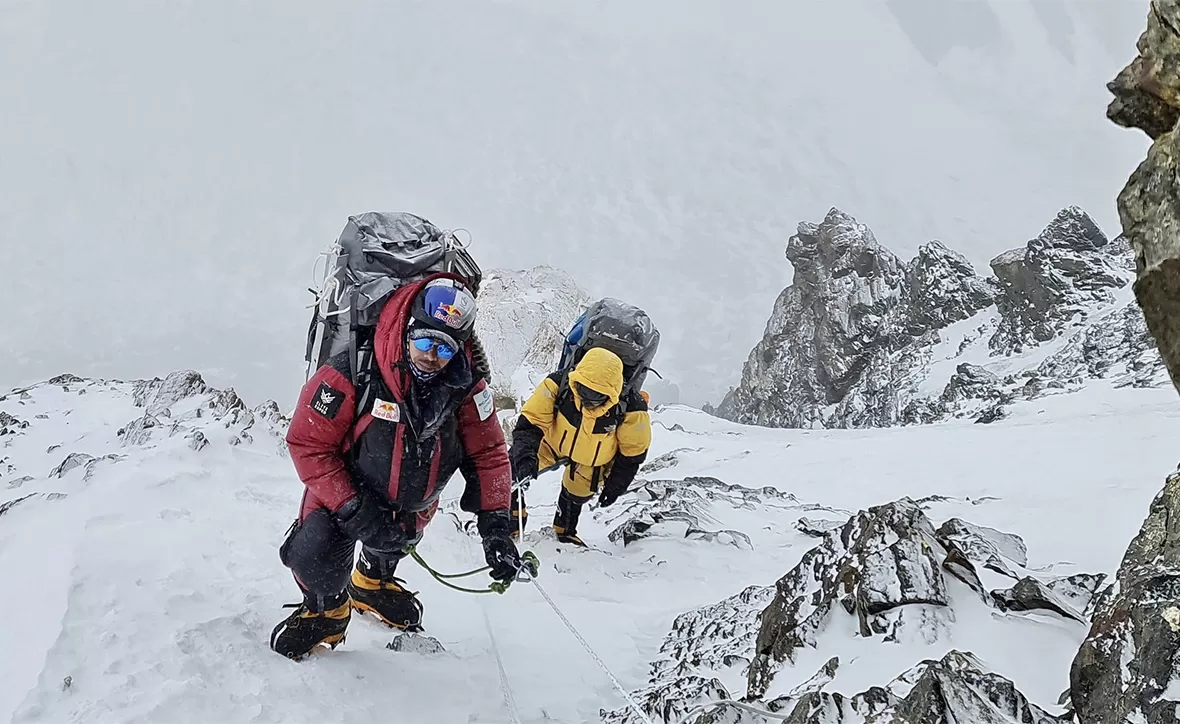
{"type": "Point", "coordinates": [862, 339]}
{"type": "Point", "coordinates": [524, 317]}
{"type": "Point", "coordinates": [142, 559]}
{"type": "Point", "coordinates": [170, 170]}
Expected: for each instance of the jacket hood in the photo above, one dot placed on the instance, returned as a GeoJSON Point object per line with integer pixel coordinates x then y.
{"type": "Point", "coordinates": [390, 336]}
{"type": "Point", "coordinates": [602, 371]}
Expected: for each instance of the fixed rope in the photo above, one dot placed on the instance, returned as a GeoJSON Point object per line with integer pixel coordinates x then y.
{"type": "Point", "coordinates": [593, 654]}
{"type": "Point", "coordinates": [528, 574]}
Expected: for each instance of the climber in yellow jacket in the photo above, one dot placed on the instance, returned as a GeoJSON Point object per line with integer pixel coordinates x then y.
{"type": "Point", "coordinates": [575, 419]}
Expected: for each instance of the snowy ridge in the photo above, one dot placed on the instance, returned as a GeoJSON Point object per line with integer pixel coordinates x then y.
{"type": "Point", "coordinates": [159, 583]}
{"type": "Point", "coordinates": [862, 340]}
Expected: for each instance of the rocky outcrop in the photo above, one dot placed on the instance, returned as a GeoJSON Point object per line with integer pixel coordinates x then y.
{"type": "Point", "coordinates": [1147, 97]}
{"type": "Point", "coordinates": [1147, 91]}
{"type": "Point", "coordinates": [883, 568]}
{"type": "Point", "coordinates": [1128, 669]}
{"type": "Point", "coordinates": [861, 340]}
{"type": "Point", "coordinates": [1062, 274]}
{"type": "Point", "coordinates": [889, 572]}
{"type": "Point", "coordinates": [680, 508]}
{"type": "Point", "coordinates": [180, 405]}
{"type": "Point", "coordinates": [956, 688]}
{"type": "Point", "coordinates": [826, 329]}
{"type": "Point", "coordinates": [942, 288]}
{"type": "Point", "coordinates": [524, 316]}
{"type": "Point", "coordinates": [704, 646]}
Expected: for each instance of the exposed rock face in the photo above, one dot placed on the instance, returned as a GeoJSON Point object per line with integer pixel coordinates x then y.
{"type": "Point", "coordinates": [1147, 96]}
{"type": "Point", "coordinates": [1062, 273]}
{"type": "Point", "coordinates": [1147, 91]}
{"type": "Point", "coordinates": [1128, 669]}
{"type": "Point", "coordinates": [942, 288]}
{"type": "Point", "coordinates": [887, 569]}
{"type": "Point", "coordinates": [860, 340]}
{"type": "Point", "coordinates": [826, 328]}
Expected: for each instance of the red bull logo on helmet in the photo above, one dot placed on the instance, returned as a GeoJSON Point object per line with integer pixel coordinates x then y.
{"type": "Point", "coordinates": [449, 314]}
{"type": "Point", "coordinates": [453, 306]}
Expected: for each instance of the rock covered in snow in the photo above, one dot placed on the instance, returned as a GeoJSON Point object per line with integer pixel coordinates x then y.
{"type": "Point", "coordinates": [1128, 668]}
{"type": "Point", "coordinates": [859, 340]}
{"type": "Point", "coordinates": [703, 647]}
{"type": "Point", "coordinates": [882, 567]}
{"type": "Point", "coordinates": [1116, 346]}
{"type": "Point", "coordinates": [680, 508]}
{"type": "Point", "coordinates": [1063, 273]}
{"type": "Point", "coordinates": [192, 407]}
{"type": "Point", "coordinates": [523, 319]}
{"type": "Point", "coordinates": [158, 396]}
{"type": "Point", "coordinates": [942, 288]}
{"type": "Point", "coordinates": [180, 405]}
{"type": "Point", "coordinates": [825, 329]}
{"type": "Point", "coordinates": [886, 568]}
{"type": "Point", "coordinates": [956, 688]}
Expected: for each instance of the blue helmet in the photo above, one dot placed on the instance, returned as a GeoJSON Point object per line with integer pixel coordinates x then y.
{"type": "Point", "coordinates": [444, 310]}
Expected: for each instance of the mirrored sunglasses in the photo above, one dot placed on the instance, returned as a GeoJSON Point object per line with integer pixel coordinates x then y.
{"type": "Point", "coordinates": [443, 350]}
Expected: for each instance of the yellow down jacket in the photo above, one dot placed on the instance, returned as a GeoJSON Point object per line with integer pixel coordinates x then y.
{"type": "Point", "coordinates": [611, 442]}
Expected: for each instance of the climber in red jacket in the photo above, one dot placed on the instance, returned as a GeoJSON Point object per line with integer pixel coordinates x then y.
{"type": "Point", "coordinates": [375, 474]}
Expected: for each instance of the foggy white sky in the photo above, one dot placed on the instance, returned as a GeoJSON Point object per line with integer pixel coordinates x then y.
{"type": "Point", "coordinates": [169, 171]}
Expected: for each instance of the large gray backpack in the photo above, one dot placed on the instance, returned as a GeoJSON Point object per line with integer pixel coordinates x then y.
{"type": "Point", "coordinates": [621, 328]}
{"type": "Point", "coordinates": [376, 254]}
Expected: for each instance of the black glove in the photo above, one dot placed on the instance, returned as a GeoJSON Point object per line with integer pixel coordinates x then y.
{"type": "Point", "coordinates": [610, 493]}
{"type": "Point", "coordinates": [367, 520]}
{"type": "Point", "coordinates": [502, 556]}
{"type": "Point", "coordinates": [524, 472]}
{"type": "Point", "coordinates": [607, 498]}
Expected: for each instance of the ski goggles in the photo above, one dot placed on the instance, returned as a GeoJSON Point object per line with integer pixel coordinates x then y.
{"type": "Point", "coordinates": [442, 349]}
{"type": "Point", "coordinates": [592, 398]}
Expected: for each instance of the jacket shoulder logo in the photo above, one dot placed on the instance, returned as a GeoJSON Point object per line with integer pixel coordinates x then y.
{"type": "Point", "coordinates": [388, 411]}
{"type": "Point", "coordinates": [326, 401]}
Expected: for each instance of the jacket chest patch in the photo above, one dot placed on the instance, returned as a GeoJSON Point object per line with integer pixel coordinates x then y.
{"type": "Point", "coordinates": [389, 411]}
{"type": "Point", "coordinates": [484, 404]}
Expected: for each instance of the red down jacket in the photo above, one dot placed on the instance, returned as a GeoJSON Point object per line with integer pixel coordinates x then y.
{"type": "Point", "coordinates": [335, 451]}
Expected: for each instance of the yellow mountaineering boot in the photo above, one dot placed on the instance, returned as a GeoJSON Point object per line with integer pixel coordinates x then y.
{"type": "Point", "coordinates": [306, 629]}
{"type": "Point", "coordinates": [388, 600]}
